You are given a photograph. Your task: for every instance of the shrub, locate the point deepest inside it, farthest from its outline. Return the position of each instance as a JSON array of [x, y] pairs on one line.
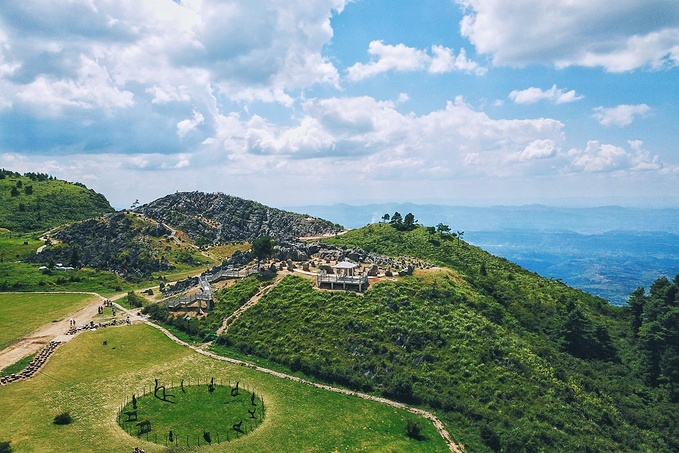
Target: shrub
[[134, 300], [63, 419], [413, 430], [5, 447]]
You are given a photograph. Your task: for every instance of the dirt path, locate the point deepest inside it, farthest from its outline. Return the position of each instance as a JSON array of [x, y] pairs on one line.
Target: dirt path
[[323, 236], [36, 340], [44, 238], [252, 302]]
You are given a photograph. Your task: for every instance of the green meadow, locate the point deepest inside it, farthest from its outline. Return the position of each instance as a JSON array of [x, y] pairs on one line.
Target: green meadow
[[90, 380], [21, 314]]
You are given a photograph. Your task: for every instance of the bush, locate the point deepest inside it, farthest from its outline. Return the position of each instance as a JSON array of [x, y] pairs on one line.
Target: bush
[[413, 430], [63, 419], [5, 447], [134, 300]]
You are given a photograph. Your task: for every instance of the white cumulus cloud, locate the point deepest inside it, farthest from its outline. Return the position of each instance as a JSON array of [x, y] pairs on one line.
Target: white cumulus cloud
[[599, 158], [622, 115], [627, 35], [555, 95], [401, 58], [187, 125]]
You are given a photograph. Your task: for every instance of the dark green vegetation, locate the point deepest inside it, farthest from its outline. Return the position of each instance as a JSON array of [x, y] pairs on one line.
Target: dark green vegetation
[[131, 246], [214, 218], [655, 325], [227, 301], [193, 412], [262, 248], [133, 300], [63, 419], [510, 360], [38, 202]]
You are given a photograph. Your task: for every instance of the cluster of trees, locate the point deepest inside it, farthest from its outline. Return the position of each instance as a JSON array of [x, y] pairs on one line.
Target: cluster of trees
[[262, 248], [39, 177], [655, 328], [401, 223], [408, 223]]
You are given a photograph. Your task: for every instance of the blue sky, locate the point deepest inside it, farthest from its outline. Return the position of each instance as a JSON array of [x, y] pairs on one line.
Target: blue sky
[[461, 102]]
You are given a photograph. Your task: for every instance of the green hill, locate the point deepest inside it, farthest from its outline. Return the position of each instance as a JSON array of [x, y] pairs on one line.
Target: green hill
[[511, 361], [38, 202]]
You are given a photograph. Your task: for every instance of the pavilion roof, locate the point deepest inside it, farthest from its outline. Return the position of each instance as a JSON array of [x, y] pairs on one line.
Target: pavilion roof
[[344, 265]]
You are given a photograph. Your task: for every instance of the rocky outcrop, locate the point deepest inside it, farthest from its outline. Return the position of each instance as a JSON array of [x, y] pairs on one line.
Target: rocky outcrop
[[215, 218], [300, 251], [113, 242]]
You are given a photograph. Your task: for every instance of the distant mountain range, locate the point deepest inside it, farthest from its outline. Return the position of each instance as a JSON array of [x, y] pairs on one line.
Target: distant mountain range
[[496, 218]]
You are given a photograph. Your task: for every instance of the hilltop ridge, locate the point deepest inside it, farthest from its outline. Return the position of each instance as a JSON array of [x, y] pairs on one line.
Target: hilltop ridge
[[38, 202], [213, 218]]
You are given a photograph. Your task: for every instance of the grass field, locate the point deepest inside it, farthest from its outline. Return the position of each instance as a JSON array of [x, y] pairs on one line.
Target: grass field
[[90, 380], [13, 246], [21, 314], [27, 277], [192, 412]]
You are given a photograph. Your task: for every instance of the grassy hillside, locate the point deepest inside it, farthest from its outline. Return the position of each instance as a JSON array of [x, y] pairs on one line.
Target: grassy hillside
[[18, 275], [512, 361], [38, 202]]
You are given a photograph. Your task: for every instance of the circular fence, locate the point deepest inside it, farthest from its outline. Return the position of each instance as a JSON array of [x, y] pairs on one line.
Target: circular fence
[[191, 412]]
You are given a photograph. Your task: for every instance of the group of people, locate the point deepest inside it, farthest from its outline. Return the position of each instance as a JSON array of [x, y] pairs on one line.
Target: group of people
[[138, 450], [107, 303], [71, 322]]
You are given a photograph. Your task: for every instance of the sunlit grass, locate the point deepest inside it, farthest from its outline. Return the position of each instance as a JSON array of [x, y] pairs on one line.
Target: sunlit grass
[[90, 380], [21, 314]]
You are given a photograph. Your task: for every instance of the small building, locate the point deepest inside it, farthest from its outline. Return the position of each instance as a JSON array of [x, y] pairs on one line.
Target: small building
[[344, 275]]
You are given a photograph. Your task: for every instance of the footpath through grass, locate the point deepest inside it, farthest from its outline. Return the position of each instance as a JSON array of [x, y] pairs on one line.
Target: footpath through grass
[[17, 367], [21, 314], [90, 380]]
